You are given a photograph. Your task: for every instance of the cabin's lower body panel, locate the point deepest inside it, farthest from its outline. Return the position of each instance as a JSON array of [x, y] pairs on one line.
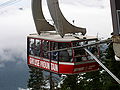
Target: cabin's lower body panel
[[75, 68], [63, 67]]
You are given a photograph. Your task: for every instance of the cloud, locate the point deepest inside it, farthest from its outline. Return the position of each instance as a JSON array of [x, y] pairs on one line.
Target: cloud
[[23, 89], [15, 25], [86, 3], [13, 35], [11, 54], [92, 3], [2, 65]]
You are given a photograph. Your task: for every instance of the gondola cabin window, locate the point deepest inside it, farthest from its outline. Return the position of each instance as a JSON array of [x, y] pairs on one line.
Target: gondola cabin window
[[65, 55], [34, 47], [37, 47], [31, 46], [54, 46], [81, 55], [45, 47]]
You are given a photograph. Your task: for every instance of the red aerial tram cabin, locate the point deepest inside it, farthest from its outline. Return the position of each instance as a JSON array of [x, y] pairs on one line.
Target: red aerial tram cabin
[[69, 61]]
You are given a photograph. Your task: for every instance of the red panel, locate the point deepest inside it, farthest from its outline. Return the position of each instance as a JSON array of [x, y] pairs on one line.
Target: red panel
[[66, 69], [87, 67], [43, 64]]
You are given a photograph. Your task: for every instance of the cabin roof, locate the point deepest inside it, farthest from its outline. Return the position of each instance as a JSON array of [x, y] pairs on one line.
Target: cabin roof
[[66, 38]]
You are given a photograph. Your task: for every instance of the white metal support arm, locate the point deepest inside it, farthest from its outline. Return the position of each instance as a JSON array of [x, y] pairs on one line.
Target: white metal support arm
[[103, 66]]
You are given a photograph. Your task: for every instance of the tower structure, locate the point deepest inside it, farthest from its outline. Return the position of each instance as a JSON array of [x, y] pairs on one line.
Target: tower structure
[[115, 12]]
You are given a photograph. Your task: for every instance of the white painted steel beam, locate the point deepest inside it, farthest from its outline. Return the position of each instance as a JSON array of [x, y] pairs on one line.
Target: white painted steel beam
[[114, 77]]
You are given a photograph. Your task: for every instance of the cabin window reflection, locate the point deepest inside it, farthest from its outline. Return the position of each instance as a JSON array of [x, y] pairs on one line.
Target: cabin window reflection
[[54, 55], [45, 48], [34, 47], [65, 55], [64, 45], [37, 47], [31, 46], [79, 54]]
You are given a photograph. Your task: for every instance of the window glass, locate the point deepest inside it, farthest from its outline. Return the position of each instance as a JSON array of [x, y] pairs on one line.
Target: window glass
[[64, 45], [31, 46], [79, 53], [54, 46], [65, 55], [45, 48], [34, 47], [37, 47]]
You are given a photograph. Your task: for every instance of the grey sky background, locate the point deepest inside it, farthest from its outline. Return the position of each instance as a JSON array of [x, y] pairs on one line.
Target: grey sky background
[[16, 24]]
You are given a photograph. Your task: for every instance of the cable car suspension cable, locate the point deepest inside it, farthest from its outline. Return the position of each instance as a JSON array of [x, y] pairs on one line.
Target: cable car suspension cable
[[114, 77], [8, 3]]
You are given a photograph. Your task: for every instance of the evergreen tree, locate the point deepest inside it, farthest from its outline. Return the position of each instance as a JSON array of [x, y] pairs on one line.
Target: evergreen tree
[[113, 66], [36, 80], [70, 83]]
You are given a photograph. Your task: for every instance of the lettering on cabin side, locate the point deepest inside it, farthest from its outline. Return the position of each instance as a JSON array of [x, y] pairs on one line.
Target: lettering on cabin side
[[43, 64], [54, 67], [91, 67]]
